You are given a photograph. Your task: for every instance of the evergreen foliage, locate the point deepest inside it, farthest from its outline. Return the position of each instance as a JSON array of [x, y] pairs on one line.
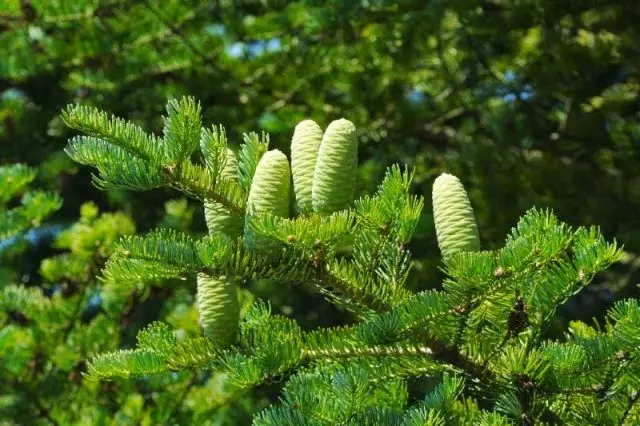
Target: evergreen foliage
[[532, 102], [53, 320], [35, 206], [524, 99], [476, 351], [49, 330]]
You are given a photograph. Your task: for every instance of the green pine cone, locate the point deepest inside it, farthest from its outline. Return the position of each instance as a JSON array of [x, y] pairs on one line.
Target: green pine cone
[[219, 309], [230, 169], [456, 227], [334, 178], [269, 193], [220, 221], [305, 143], [217, 216]]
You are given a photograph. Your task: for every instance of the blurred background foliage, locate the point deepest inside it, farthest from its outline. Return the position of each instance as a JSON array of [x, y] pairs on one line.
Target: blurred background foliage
[[56, 311], [530, 102]]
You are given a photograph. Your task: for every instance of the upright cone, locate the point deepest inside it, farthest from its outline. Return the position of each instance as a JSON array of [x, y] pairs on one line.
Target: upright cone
[[218, 218], [305, 143], [219, 309], [269, 193], [455, 222], [334, 178], [271, 186]]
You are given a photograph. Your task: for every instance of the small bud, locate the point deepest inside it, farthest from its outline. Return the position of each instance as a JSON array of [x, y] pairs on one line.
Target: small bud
[[499, 272], [525, 382], [291, 239], [518, 318], [460, 309], [384, 228], [621, 355]]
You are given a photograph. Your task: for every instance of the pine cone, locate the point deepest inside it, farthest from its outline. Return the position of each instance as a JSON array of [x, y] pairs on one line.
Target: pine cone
[[216, 215], [334, 178], [305, 143], [219, 309], [455, 222], [269, 193]]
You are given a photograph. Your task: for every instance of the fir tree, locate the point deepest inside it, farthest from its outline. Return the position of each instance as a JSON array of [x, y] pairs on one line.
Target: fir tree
[[477, 351]]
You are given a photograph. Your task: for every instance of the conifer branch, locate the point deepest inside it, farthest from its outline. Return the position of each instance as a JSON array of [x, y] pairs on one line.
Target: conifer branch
[[119, 132], [128, 157], [370, 351], [485, 326]]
